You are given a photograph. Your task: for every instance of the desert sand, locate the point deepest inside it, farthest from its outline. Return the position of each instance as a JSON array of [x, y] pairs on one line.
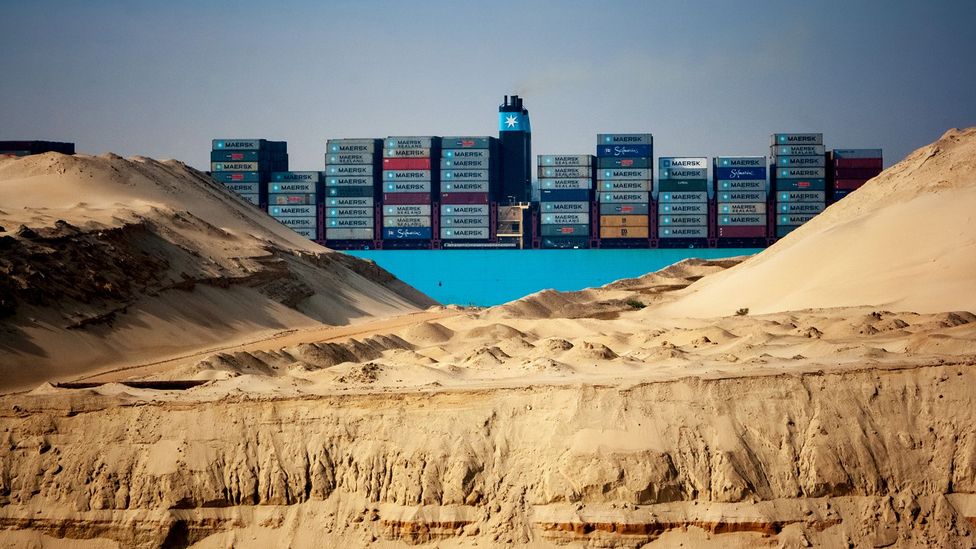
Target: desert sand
[[840, 411]]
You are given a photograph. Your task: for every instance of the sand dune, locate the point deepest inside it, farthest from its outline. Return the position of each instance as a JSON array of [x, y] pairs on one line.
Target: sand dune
[[109, 262], [904, 241], [829, 415]]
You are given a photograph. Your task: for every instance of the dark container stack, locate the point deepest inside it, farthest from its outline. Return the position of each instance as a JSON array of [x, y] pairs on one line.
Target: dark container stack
[[565, 200], [352, 176], [682, 201], [741, 194], [625, 176], [469, 173], [515, 135], [245, 165], [293, 199], [410, 180], [799, 179], [851, 168], [27, 148]]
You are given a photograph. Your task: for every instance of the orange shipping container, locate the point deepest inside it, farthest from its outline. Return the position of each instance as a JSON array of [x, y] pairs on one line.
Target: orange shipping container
[[624, 221], [623, 232]]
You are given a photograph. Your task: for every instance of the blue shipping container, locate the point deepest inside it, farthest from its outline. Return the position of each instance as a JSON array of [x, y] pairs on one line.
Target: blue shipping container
[[565, 195], [624, 151], [731, 174], [407, 233]]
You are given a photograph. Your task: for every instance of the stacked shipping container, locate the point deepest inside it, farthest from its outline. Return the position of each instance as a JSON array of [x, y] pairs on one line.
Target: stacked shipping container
[[469, 184], [851, 168], [293, 199], [408, 186], [245, 165], [566, 195], [682, 198], [740, 197], [625, 176], [799, 178], [352, 169]]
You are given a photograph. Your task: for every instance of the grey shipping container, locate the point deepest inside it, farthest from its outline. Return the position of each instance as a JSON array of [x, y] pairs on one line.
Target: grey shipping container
[[355, 181], [298, 222], [244, 188], [682, 232], [407, 187], [556, 183], [406, 175], [358, 146], [238, 144], [464, 220], [800, 173], [408, 142], [252, 198], [683, 173], [465, 209], [794, 219], [565, 230], [464, 175], [624, 139], [350, 170], [800, 196], [349, 158], [731, 220], [465, 233], [350, 201], [682, 207], [465, 186], [565, 219], [348, 212], [304, 210], [565, 172], [465, 163], [565, 207], [406, 153], [565, 160], [465, 142], [407, 210], [406, 221], [624, 209], [796, 139], [623, 197], [741, 196], [685, 162], [235, 166], [625, 185], [797, 150], [678, 196], [308, 232], [625, 173], [465, 153], [349, 222], [799, 207], [742, 208], [800, 161], [348, 234], [299, 187], [683, 220]]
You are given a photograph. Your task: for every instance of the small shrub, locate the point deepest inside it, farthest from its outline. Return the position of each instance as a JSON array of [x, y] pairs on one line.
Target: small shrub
[[742, 312], [634, 304]]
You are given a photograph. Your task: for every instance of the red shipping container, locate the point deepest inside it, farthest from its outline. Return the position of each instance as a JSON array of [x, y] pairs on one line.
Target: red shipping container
[[855, 173], [849, 184], [406, 198], [406, 163], [742, 231], [875, 163], [464, 198]]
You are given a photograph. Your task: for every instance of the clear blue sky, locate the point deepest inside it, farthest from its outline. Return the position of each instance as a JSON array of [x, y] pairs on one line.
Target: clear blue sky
[[706, 78]]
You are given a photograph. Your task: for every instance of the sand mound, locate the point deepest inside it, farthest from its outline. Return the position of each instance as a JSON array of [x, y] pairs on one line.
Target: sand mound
[[905, 241], [157, 260], [428, 332]]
